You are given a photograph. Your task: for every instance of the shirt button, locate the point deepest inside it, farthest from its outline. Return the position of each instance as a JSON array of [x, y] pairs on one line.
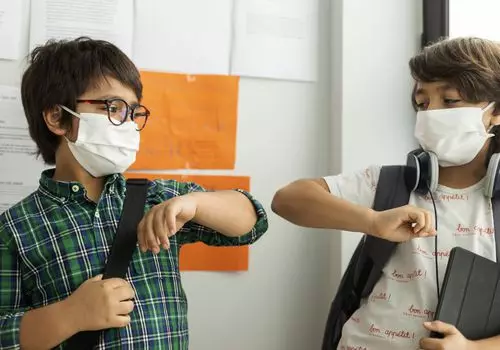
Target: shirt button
[[75, 188], [97, 214]]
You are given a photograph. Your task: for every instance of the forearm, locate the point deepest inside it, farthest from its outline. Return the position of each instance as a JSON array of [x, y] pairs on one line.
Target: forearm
[[487, 344], [307, 203], [230, 213], [46, 327]]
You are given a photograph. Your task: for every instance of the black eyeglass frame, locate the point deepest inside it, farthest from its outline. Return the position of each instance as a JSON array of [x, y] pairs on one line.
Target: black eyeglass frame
[[129, 110]]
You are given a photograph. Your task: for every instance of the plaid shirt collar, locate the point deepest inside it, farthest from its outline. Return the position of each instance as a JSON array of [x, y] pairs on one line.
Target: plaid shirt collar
[[63, 191]]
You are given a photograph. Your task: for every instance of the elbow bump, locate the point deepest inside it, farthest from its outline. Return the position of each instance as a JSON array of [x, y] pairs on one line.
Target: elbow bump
[[277, 202], [283, 198]]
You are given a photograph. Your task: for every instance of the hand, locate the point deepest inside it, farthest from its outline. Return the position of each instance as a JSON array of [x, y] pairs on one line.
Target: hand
[[453, 339], [100, 304], [402, 224], [163, 221]]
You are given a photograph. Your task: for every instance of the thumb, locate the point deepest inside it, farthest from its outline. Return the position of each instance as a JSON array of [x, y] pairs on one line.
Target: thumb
[[95, 278], [416, 216], [441, 327]]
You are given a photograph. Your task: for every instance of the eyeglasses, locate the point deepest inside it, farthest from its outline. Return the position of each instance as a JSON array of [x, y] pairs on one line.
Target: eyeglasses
[[119, 111]]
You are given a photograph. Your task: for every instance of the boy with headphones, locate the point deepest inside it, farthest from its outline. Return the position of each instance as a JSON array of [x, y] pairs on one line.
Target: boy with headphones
[[456, 95], [82, 100]]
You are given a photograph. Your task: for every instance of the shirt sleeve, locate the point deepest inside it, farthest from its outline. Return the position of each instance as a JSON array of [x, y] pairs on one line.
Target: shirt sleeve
[[357, 187], [12, 304], [192, 232]]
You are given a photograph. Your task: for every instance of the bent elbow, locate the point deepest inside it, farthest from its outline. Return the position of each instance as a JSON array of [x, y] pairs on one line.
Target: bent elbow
[[283, 200], [278, 202]]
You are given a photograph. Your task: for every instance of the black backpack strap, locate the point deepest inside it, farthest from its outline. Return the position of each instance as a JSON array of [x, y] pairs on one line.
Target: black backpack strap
[[344, 299], [121, 251], [369, 258], [495, 203]]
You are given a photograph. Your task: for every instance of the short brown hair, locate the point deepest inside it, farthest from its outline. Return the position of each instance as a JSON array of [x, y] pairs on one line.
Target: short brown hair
[[471, 65], [61, 71]]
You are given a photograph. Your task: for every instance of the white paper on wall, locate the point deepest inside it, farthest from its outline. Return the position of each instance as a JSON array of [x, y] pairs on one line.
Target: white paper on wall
[[19, 168], [188, 36], [110, 20], [276, 39], [11, 22]]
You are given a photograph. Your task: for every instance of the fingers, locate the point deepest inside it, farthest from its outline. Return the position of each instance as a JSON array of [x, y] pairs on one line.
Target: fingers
[[429, 218], [150, 236], [431, 344], [141, 235], [120, 321], [125, 307], [171, 213], [95, 278], [145, 233], [417, 218], [441, 327], [124, 293], [421, 220], [160, 229], [157, 226]]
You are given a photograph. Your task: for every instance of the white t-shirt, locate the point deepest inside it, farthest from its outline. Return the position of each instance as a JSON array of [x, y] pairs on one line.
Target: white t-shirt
[[406, 295]]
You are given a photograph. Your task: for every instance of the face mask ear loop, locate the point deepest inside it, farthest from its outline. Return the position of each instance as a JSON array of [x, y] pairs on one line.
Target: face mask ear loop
[[485, 110], [488, 107], [70, 111]]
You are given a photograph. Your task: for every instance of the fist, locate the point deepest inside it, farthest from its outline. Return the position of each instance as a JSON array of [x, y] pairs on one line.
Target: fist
[[165, 220], [402, 224], [100, 304]]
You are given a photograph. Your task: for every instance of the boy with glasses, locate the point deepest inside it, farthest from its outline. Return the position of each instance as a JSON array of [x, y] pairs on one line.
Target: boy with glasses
[[82, 102]]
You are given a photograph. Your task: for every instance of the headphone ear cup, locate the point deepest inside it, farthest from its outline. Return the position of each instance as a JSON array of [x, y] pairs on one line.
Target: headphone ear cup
[[492, 185], [433, 176], [412, 172], [420, 167], [424, 176]]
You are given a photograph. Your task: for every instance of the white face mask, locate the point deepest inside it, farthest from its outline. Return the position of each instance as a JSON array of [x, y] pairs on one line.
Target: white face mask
[[102, 148], [455, 135]]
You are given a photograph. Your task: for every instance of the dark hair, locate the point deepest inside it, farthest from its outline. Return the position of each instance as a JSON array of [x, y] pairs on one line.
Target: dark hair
[[61, 71], [471, 65]]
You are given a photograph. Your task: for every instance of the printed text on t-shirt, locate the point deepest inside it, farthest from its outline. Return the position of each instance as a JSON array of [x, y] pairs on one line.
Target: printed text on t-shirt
[[463, 230], [414, 311], [401, 276], [447, 197], [390, 333]]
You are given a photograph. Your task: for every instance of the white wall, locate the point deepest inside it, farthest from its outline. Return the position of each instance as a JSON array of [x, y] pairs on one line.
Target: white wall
[[474, 18], [372, 117], [279, 304]]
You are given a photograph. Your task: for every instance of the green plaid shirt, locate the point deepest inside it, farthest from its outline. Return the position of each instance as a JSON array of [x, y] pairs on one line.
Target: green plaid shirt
[[57, 238]]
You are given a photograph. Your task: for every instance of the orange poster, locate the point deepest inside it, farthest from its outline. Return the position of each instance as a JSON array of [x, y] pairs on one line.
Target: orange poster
[[192, 123], [198, 256]]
